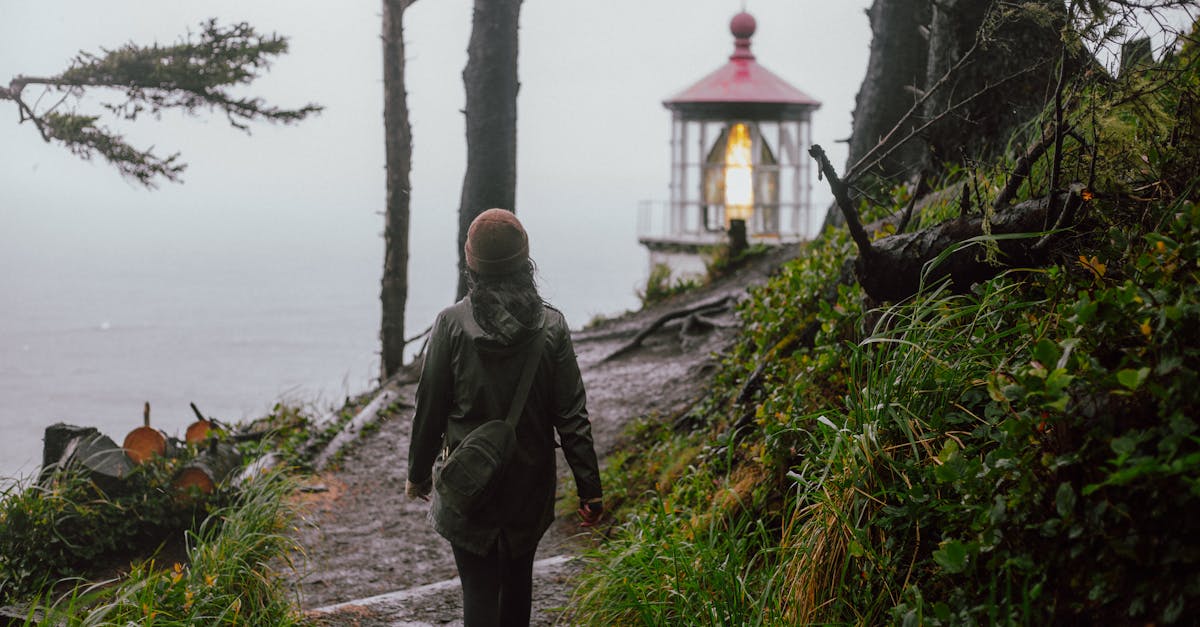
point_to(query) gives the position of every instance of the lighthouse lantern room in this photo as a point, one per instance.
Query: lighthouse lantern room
(738, 163)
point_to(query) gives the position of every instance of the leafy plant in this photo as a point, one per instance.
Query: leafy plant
(660, 286)
(231, 574)
(67, 526)
(1023, 453)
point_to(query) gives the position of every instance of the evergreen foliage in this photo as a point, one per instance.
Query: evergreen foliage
(190, 76)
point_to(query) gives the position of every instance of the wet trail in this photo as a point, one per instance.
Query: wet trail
(371, 558)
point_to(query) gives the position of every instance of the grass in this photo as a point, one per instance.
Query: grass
(1024, 453)
(231, 575)
(716, 574)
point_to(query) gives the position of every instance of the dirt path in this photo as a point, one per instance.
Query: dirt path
(371, 558)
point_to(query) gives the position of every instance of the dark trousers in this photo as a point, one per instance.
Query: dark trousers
(497, 587)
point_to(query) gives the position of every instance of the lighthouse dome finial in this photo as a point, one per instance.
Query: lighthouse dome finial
(743, 25)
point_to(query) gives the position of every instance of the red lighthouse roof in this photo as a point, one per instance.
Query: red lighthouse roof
(741, 83)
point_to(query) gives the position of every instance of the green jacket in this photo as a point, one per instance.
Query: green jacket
(469, 377)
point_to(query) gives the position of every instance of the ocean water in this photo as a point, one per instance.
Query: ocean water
(89, 343)
(88, 340)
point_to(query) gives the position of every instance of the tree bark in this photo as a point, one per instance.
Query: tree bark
(398, 148)
(491, 83)
(1008, 40)
(981, 67)
(895, 74)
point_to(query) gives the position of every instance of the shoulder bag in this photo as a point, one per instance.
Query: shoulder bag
(472, 471)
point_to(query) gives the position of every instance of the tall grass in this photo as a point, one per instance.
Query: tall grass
(231, 575)
(1026, 453)
(816, 551)
(667, 569)
(899, 417)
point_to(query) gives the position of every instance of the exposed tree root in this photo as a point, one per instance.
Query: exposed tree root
(696, 316)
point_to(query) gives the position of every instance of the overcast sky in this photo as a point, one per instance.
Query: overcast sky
(592, 136)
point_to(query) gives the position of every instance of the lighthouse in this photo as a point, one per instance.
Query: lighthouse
(739, 167)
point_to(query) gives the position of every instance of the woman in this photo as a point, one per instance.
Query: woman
(476, 353)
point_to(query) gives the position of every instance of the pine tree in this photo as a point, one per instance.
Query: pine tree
(196, 74)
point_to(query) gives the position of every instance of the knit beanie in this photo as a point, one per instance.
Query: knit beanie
(496, 243)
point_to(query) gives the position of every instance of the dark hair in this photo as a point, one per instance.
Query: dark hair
(515, 292)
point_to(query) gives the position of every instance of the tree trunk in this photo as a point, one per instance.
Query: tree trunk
(1012, 68)
(1002, 82)
(398, 147)
(209, 468)
(490, 79)
(895, 72)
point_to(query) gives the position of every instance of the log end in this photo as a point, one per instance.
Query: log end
(197, 432)
(194, 478)
(144, 443)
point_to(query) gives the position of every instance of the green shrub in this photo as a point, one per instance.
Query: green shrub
(230, 576)
(68, 527)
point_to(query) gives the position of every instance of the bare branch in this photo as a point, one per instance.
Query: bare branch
(869, 159)
(843, 201)
(1022, 169)
(855, 171)
(912, 202)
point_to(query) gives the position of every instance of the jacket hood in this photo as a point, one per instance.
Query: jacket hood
(509, 333)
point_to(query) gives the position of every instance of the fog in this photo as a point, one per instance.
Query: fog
(302, 204)
(592, 132)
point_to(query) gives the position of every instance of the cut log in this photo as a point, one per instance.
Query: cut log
(94, 453)
(197, 432)
(349, 433)
(255, 469)
(208, 469)
(55, 441)
(145, 442)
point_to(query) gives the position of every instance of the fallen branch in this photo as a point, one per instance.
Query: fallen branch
(711, 306)
(707, 322)
(366, 416)
(905, 261)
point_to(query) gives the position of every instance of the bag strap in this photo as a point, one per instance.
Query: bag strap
(518, 402)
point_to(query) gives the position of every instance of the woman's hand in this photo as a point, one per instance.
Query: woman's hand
(590, 512)
(418, 490)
